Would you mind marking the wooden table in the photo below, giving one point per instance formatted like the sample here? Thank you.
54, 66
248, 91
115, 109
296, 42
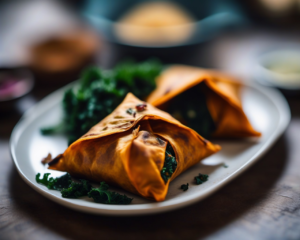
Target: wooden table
263, 203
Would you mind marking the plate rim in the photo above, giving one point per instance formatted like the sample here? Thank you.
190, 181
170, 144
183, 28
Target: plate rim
273, 95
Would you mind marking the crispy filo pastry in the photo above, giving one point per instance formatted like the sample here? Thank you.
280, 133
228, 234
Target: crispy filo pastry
220, 91
127, 149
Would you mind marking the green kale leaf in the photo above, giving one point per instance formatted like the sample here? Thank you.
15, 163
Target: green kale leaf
170, 164
201, 178
76, 190
102, 195
53, 129
72, 189
138, 78
184, 187
54, 183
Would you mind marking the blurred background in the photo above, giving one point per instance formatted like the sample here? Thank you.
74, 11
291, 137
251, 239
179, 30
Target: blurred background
45, 44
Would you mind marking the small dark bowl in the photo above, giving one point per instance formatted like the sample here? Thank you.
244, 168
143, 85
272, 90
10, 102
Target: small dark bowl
15, 83
211, 18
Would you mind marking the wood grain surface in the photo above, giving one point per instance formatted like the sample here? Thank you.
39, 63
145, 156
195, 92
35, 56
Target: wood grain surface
263, 203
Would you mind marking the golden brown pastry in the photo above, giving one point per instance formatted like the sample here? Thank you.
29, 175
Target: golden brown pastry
128, 149
209, 89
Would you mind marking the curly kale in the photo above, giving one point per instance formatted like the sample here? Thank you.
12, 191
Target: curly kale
137, 78
54, 183
170, 164
184, 187
72, 189
96, 98
100, 92
201, 178
102, 195
76, 190
53, 129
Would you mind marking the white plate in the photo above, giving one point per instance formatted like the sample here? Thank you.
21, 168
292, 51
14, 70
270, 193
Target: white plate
266, 109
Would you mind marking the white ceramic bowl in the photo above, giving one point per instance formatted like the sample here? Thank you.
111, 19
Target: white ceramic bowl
279, 68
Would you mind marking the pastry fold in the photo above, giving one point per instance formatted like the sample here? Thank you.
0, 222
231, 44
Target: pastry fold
127, 149
221, 94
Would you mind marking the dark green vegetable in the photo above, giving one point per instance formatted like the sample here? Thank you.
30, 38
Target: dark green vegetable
225, 165
190, 108
76, 190
170, 164
184, 187
138, 78
130, 111
100, 92
54, 183
102, 195
72, 189
201, 178
52, 130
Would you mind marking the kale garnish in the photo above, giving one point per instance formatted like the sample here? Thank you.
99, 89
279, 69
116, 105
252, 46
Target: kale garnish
201, 178
100, 92
138, 78
72, 189
53, 129
54, 183
76, 190
170, 164
102, 195
184, 187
